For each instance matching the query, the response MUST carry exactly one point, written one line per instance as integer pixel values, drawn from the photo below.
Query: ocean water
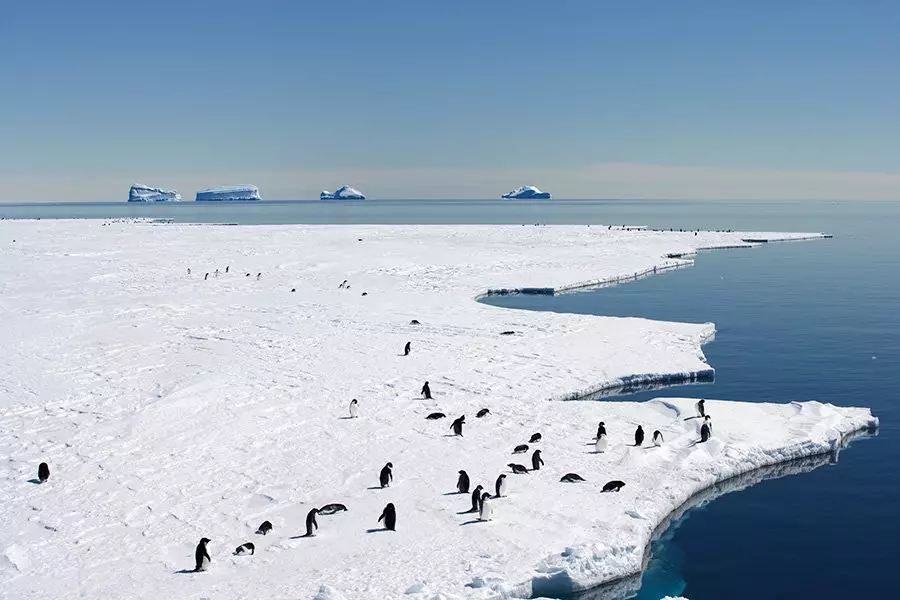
(813, 320)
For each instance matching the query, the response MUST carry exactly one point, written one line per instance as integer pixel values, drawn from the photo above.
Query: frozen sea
(799, 321)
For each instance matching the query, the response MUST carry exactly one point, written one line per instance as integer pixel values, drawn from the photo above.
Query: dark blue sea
(796, 321)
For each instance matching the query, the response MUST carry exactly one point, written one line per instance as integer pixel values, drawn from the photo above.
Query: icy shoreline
(172, 406)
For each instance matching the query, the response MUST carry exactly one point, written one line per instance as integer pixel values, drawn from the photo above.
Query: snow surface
(527, 191)
(143, 193)
(226, 193)
(345, 192)
(172, 408)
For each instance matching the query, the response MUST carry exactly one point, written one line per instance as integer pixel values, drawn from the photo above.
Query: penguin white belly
(354, 410)
(503, 487)
(487, 511)
(204, 564)
(602, 443)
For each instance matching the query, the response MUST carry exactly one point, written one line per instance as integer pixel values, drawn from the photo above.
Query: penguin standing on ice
(476, 499)
(536, 461)
(707, 420)
(456, 426)
(201, 556)
(657, 438)
(406, 348)
(205, 277)
(389, 516)
(426, 391)
(311, 524)
(462, 484)
(501, 486)
(486, 512)
(354, 408)
(227, 267)
(638, 436)
(601, 429)
(43, 472)
(704, 433)
(602, 442)
(701, 407)
(189, 270)
(387, 475)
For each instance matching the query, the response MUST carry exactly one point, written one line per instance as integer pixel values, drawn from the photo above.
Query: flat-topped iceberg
(527, 192)
(231, 193)
(145, 193)
(345, 192)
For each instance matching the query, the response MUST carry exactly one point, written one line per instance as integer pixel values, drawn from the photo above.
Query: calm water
(813, 320)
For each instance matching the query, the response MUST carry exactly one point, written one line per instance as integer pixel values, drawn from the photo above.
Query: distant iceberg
(230, 193)
(345, 192)
(527, 191)
(143, 193)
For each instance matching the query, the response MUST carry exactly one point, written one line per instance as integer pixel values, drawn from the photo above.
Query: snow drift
(528, 192)
(143, 193)
(229, 193)
(345, 192)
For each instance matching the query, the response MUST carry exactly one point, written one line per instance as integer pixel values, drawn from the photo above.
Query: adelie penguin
(535, 438)
(701, 407)
(638, 436)
(426, 391)
(406, 349)
(264, 528)
(518, 469)
(601, 430)
(520, 449)
(657, 438)
(501, 486)
(435, 416)
(613, 486)
(389, 516)
(486, 511)
(482, 412)
(43, 472)
(387, 475)
(707, 420)
(704, 433)
(602, 443)
(462, 484)
(330, 509)
(354, 408)
(311, 524)
(247, 548)
(571, 478)
(201, 556)
(536, 461)
(476, 499)
(456, 426)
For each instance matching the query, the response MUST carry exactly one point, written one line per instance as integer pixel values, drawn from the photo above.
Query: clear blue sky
(449, 98)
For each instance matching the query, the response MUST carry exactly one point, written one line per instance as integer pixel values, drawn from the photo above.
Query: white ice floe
(527, 192)
(172, 407)
(345, 192)
(229, 193)
(143, 193)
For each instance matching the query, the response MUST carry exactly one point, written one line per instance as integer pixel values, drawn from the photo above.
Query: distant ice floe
(345, 192)
(527, 192)
(231, 193)
(145, 193)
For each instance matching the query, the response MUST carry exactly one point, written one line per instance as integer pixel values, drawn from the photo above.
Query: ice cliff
(229, 193)
(143, 193)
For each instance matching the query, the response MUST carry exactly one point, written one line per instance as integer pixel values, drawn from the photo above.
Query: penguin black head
(205, 541)
(462, 419)
(641, 428)
(390, 465)
(537, 452)
(602, 424)
(485, 496)
(461, 471)
(353, 401)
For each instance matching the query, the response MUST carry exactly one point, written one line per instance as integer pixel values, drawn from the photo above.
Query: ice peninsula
(528, 192)
(240, 193)
(173, 406)
(345, 192)
(143, 193)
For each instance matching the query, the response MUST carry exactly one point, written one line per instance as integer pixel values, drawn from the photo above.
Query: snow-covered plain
(345, 192)
(142, 193)
(527, 192)
(229, 193)
(170, 408)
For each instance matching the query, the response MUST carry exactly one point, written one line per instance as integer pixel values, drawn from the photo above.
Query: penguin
(638, 436)
(406, 348)
(330, 509)
(707, 420)
(704, 433)
(462, 484)
(510, 332)
(601, 429)
(227, 268)
(482, 412)
(216, 273)
(501, 486)
(658, 438)
(354, 408)
(189, 270)
(414, 322)
(486, 512)
(245, 548)
(264, 528)
(201, 556)
(258, 275)
(520, 449)
(456, 426)
(476, 499)
(364, 294)
(535, 437)
(602, 443)
(293, 290)
(205, 277)
(43, 472)
(518, 469)
(389, 516)
(387, 475)
(571, 478)
(426, 391)
(246, 274)
(613, 486)
(701, 407)
(435, 415)
(311, 524)
(343, 283)
(536, 461)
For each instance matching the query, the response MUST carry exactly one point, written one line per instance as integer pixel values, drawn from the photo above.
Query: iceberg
(232, 193)
(145, 193)
(345, 192)
(528, 192)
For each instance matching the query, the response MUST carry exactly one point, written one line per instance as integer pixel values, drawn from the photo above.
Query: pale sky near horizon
(587, 99)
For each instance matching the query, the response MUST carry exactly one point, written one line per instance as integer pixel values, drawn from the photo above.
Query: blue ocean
(815, 320)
